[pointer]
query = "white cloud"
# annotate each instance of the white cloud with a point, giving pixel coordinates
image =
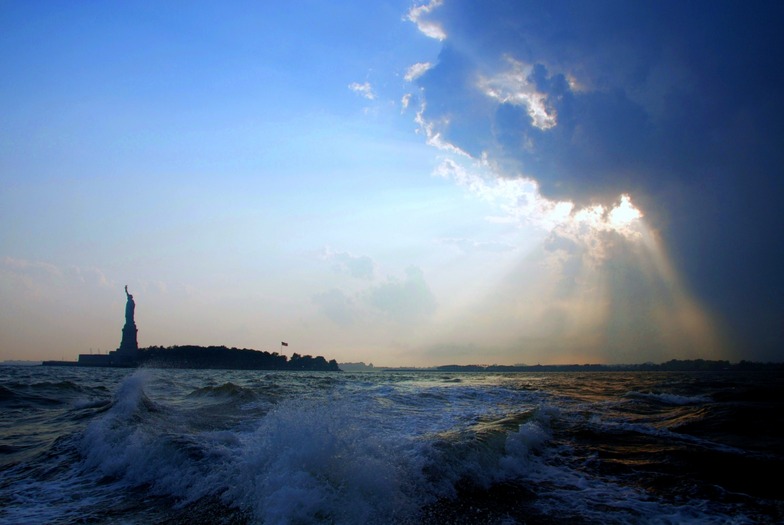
(512, 87)
(429, 28)
(364, 90)
(434, 137)
(417, 70)
(521, 202)
(518, 198)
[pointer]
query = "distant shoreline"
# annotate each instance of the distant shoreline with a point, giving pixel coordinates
(675, 365)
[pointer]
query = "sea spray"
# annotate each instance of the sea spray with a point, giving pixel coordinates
(324, 461)
(529, 438)
(138, 442)
(242, 448)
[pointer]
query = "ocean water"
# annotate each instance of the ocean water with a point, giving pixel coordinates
(91, 445)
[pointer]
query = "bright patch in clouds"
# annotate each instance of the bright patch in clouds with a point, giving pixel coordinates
(624, 213)
(521, 202)
(514, 87)
(599, 287)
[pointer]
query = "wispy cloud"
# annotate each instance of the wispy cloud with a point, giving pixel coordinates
(365, 90)
(417, 70)
(433, 134)
(358, 266)
(472, 245)
(27, 266)
(40, 277)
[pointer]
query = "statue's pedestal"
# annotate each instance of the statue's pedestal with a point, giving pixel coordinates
(129, 345)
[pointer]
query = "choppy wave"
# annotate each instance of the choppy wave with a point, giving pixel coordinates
(280, 448)
(307, 460)
(225, 391)
(669, 399)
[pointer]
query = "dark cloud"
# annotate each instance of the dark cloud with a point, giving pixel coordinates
(676, 103)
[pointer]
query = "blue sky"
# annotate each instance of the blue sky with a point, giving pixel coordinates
(397, 183)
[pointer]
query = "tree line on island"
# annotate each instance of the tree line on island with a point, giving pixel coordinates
(221, 357)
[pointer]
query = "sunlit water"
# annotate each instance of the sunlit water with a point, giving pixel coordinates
(82, 445)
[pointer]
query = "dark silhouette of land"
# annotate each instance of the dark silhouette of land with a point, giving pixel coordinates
(222, 358)
(129, 355)
(674, 365)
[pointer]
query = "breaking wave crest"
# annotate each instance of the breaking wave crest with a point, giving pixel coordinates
(306, 460)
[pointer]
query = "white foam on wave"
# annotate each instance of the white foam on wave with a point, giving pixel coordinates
(324, 461)
(531, 437)
(140, 443)
(305, 460)
(336, 462)
(351, 457)
(346, 458)
(46, 494)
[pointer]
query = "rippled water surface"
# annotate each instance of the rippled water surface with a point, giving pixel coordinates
(92, 445)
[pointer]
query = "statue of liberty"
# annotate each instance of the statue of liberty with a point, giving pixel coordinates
(129, 345)
(130, 306)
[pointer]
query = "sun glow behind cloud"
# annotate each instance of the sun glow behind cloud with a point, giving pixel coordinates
(598, 288)
(593, 293)
(599, 285)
